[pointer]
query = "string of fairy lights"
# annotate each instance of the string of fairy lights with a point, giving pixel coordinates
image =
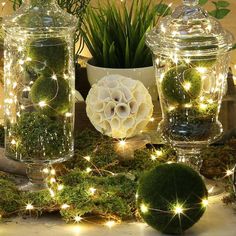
(54, 187)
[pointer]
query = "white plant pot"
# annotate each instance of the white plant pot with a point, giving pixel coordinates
(145, 74)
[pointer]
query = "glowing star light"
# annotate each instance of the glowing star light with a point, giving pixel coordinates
(143, 208)
(54, 77)
(122, 143)
(187, 86)
(92, 190)
(201, 70)
(178, 209)
(65, 206)
(29, 207)
(153, 157)
(204, 202)
(229, 172)
(110, 224)
(60, 187)
(78, 219)
(42, 104)
(87, 158)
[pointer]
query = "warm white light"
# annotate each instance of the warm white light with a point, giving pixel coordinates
(153, 157)
(205, 202)
(21, 62)
(171, 108)
(143, 208)
(201, 70)
(53, 172)
(28, 59)
(187, 86)
(188, 105)
(20, 49)
(46, 170)
(136, 196)
(203, 106)
(211, 189)
(78, 219)
(29, 206)
(210, 101)
(169, 162)
(159, 153)
(42, 104)
(13, 142)
(87, 158)
(178, 209)
(51, 192)
(152, 119)
(22, 107)
(187, 60)
(88, 169)
(52, 180)
(110, 223)
(92, 190)
(65, 206)
(60, 187)
(68, 114)
(54, 77)
(229, 172)
(122, 143)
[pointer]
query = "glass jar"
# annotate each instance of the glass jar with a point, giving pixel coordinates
(39, 82)
(191, 59)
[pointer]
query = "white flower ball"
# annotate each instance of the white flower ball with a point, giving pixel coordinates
(118, 106)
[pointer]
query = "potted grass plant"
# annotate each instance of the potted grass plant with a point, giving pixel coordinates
(115, 36)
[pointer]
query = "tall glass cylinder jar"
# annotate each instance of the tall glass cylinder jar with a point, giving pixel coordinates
(191, 59)
(39, 83)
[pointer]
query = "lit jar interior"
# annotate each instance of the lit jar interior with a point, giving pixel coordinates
(191, 59)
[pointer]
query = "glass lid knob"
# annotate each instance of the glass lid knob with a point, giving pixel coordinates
(190, 2)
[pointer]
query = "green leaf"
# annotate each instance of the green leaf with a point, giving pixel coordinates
(163, 9)
(219, 13)
(221, 4)
(202, 2)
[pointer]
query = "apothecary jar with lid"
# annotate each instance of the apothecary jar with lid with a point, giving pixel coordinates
(39, 83)
(191, 59)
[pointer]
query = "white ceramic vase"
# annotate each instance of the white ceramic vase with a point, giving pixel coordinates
(145, 74)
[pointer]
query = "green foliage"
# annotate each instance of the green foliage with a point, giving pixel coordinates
(115, 193)
(174, 81)
(32, 127)
(116, 37)
(221, 9)
(55, 93)
(166, 186)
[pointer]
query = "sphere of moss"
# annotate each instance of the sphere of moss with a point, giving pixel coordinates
(170, 198)
(53, 92)
(181, 84)
(50, 54)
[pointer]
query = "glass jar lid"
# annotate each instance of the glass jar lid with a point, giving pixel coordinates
(190, 29)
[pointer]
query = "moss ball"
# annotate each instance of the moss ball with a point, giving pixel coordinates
(54, 92)
(181, 84)
(48, 54)
(170, 198)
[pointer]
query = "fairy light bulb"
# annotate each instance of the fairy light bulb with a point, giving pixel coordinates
(88, 169)
(53, 172)
(203, 106)
(187, 86)
(46, 170)
(229, 172)
(78, 219)
(205, 202)
(201, 70)
(60, 187)
(152, 119)
(159, 153)
(92, 191)
(65, 206)
(54, 77)
(87, 158)
(13, 142)
(122, 143)
(178, 209)
(110, 224)
(42, 104)
(29, 207)
(153, 157)
(143, 208)
(171, 108)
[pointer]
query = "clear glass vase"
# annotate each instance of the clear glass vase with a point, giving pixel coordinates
(39, 82)
(191, 59)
